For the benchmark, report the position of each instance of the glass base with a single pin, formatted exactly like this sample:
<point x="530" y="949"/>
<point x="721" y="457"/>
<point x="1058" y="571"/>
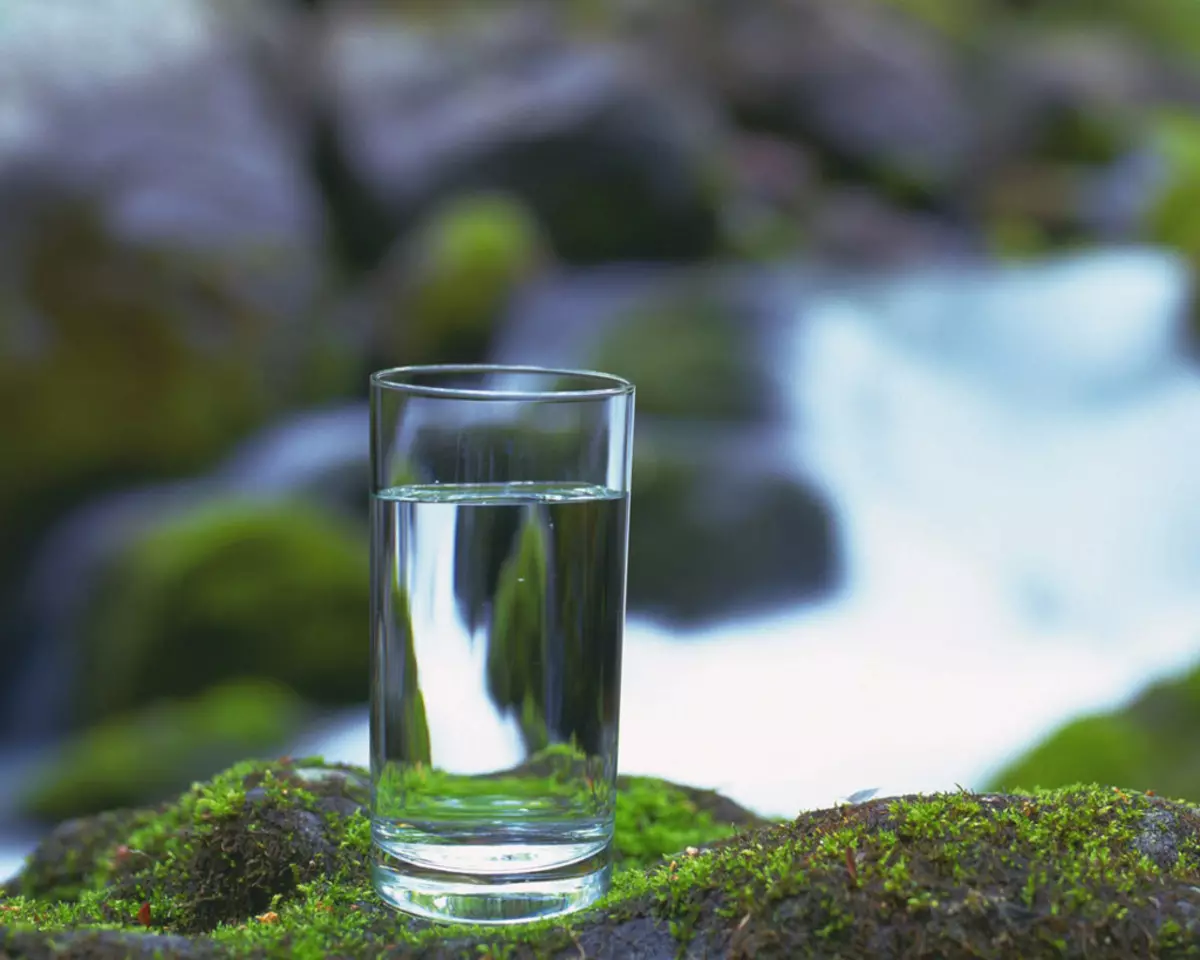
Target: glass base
<point x="491" y="897"/>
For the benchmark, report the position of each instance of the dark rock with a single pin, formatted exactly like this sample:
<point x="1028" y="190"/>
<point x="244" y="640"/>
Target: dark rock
<point x="872" y="92"/>
<point x="711" y="538"/>
<point x="105" y="945"/>
<point x="1065" y="150"/>
<point x="643" y="938"/>
<point x="1070" y="98"/>
<point x="179" y="145"/>
<point x="858" y="228"/>
<point x="59" y="867"/>
<point x="1158" y="838"/>
<point x="134" y="364"/>
<point x="611" y="159"/>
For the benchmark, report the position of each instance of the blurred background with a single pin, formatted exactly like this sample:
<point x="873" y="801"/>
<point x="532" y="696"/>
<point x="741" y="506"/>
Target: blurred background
<point x="906" y="287"/>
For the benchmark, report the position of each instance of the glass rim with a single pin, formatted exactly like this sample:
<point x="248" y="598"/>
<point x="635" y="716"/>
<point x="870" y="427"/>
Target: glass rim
<point x="613" y="386"/>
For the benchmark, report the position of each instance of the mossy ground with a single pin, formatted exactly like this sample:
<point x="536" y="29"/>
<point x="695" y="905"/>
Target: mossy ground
<point x="273" y="858"/>
<point x="269" y="860"/>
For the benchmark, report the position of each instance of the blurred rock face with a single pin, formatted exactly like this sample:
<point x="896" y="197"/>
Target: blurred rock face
<point x="871" y="89"/>
<point x="160" y="253"/>
<point x="609" y="154"/>
<point x="159" y="115"/>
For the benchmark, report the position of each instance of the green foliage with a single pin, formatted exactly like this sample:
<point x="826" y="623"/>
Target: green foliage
<point x="459" y="271"/>
<point x="230" y="589"/>
<point x="149" y="755"/>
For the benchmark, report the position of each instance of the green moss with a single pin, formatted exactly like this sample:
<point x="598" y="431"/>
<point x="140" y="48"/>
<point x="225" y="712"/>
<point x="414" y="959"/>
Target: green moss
<point x="1100" y="745"/>
<point x="1145" y="745"/>
<point x="65" y="863"/>
<point x="154" y="753"/>
<point x="230" y="589"/>
<point x="147" y="363"/>
<point x="460" y="270"/>
<point x="557" y="780"/>
<point x="656" y="819"/>
<point x="1018" y="238"/>
<point x="275" y="856"/>
<point x="955" y="18"/>
<point x="1174" y="221"/>
<point x="1171" y="26"/>
<point x="1081" y="871"/>
<point x="691" y="354"/>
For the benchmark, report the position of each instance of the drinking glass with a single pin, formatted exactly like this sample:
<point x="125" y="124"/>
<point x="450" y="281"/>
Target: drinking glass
<point x="500" y="526"/>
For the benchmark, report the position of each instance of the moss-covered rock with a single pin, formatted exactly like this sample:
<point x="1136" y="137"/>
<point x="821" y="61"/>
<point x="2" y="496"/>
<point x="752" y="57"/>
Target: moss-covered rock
<point x="615" y="162"/>
<point x="1166" y="25"/>
<point x="229" y="589"/>
<point x="117" y="361"/>
<point x="261" y="837"/>
<point x="956" y="19"/>
<point x="453" y="278"/>
<point x="150" y="755"/>
<point x="709" y="538"/>
<point x="692" y="352"/>
<point x="1174" y="221"/>
<point x="876" y="94"/>
<point x="271" y="860"/>
<point x="1149" y="744"/>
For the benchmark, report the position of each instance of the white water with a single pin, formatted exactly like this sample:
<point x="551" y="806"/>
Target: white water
<point x="1015" y="458"/>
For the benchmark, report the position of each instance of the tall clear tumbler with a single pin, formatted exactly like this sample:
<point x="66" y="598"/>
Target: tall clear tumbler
<point x="500" y="519"/>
